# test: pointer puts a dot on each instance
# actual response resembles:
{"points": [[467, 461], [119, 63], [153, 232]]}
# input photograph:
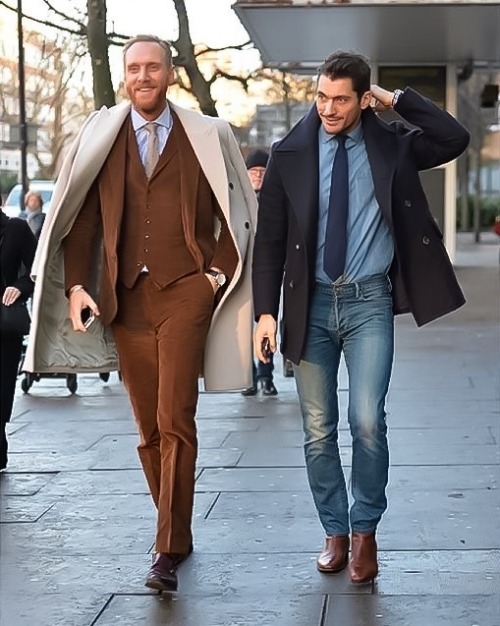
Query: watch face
{"points": [[221, 279]]}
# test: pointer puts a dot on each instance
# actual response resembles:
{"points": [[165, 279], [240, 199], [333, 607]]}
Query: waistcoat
{"points": [[168, 221]]}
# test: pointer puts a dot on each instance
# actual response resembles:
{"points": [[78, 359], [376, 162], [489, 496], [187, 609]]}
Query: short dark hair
{"points": [[342, 64], [151, 39]]}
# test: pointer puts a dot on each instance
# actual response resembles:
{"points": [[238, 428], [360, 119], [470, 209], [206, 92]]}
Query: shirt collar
{"points": [[356, 134], [164, 119]]}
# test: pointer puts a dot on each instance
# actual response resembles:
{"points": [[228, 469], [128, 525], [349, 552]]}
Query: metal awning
{"points": [[299, 34]]}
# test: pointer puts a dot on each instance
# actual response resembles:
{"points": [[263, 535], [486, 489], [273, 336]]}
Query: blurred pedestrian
{"points": [[256, 163], [162, 192], [17, 249], [35, 216], [344, 225], [496, 225]]}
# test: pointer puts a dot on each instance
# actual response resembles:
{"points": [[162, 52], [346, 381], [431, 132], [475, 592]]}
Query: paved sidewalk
{"points": [[77, 525]]}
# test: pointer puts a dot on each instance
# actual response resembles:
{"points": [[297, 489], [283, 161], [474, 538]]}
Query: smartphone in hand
{"points": [[266, 348], [87, 317]]}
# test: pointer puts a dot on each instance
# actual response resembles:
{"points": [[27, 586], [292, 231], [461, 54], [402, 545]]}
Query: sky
{"points": [[212, 22]]}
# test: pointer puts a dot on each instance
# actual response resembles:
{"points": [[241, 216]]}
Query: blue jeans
{"points": [[355, 318]]}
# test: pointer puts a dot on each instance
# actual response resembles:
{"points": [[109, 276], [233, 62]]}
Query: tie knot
{"points": [[341, 139], [151, 127]]}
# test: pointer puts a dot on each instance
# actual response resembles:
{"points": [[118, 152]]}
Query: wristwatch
{"points": [[397, 94], [220, 278]]}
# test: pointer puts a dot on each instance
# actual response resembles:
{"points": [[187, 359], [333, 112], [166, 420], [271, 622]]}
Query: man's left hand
{"points": [[213, 282], [265, 329], [211, 278]]}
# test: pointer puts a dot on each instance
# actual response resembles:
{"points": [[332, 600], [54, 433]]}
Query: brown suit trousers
{"points": [[160, 336]]}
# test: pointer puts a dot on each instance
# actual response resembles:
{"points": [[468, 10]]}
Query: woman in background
{"points": [[35, 216], [17, 250]]}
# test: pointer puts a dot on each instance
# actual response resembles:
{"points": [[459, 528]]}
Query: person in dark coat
{"points": [[345, 227], [256, 163], [17, 250]]}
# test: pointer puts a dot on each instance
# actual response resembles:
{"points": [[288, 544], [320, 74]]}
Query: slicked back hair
{"points": [[165, 46], [342, 64]]}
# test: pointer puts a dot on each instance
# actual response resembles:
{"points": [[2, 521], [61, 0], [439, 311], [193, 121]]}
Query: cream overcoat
{"points": [[53, 346]]}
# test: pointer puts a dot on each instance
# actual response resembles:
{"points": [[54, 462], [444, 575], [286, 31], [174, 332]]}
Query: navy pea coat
{"points": [[422, 276]]}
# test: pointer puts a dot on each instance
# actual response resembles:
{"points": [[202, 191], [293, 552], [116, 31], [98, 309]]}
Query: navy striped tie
{"points": [[338, 209]]}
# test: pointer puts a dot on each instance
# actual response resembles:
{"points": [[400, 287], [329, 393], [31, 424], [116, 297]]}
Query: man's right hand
{"points": [[265, 329], [382, 98], [79, 299]]}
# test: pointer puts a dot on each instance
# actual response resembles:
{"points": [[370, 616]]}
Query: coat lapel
{"points": [[381, 148], [190, 178], [94, 150], [112, 186], [298, 161], [81, 167], [204, 139]]}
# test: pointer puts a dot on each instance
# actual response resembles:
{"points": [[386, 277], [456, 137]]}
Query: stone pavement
{"points": [[77, 525]]}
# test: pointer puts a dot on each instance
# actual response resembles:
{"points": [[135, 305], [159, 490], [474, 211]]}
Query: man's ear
{"points": [[366, 99], [172, 76]]}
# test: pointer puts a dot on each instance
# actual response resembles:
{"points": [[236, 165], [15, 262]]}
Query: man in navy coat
{"points": [[344, 226]]}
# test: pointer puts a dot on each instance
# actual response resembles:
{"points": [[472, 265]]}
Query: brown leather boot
{"points": [[333, 559], [363, 566]]}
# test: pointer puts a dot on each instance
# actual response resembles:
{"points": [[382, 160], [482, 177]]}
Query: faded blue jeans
{"points": [[356, 319]]}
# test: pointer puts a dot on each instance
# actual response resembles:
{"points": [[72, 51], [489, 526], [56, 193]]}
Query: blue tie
{"points": [[338, 208]]}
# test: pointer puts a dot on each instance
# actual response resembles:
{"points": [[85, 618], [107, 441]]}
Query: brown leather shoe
{"points": [[363, 566], [334, 556], [163, 573]]}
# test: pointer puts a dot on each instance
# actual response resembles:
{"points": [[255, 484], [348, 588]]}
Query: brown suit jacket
{"points": [[102, 211]]}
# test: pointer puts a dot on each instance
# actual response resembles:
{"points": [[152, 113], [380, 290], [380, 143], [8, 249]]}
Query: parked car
{"points": [[45, 188]]}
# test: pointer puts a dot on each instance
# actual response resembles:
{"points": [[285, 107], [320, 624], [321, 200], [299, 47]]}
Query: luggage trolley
{"points": [[71, 379], [34, 377], [30, 378]]}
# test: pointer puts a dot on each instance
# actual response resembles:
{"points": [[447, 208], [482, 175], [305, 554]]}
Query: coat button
{"points": [[426, 241], [297, 246], [231, 186], [408, 203], [247, 225], [291, 284]]}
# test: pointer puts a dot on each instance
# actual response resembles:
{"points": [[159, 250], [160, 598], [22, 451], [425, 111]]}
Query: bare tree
{"points": [[92, 28], [56, 106], [289, 89], [98, 43], [186, 58]]}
